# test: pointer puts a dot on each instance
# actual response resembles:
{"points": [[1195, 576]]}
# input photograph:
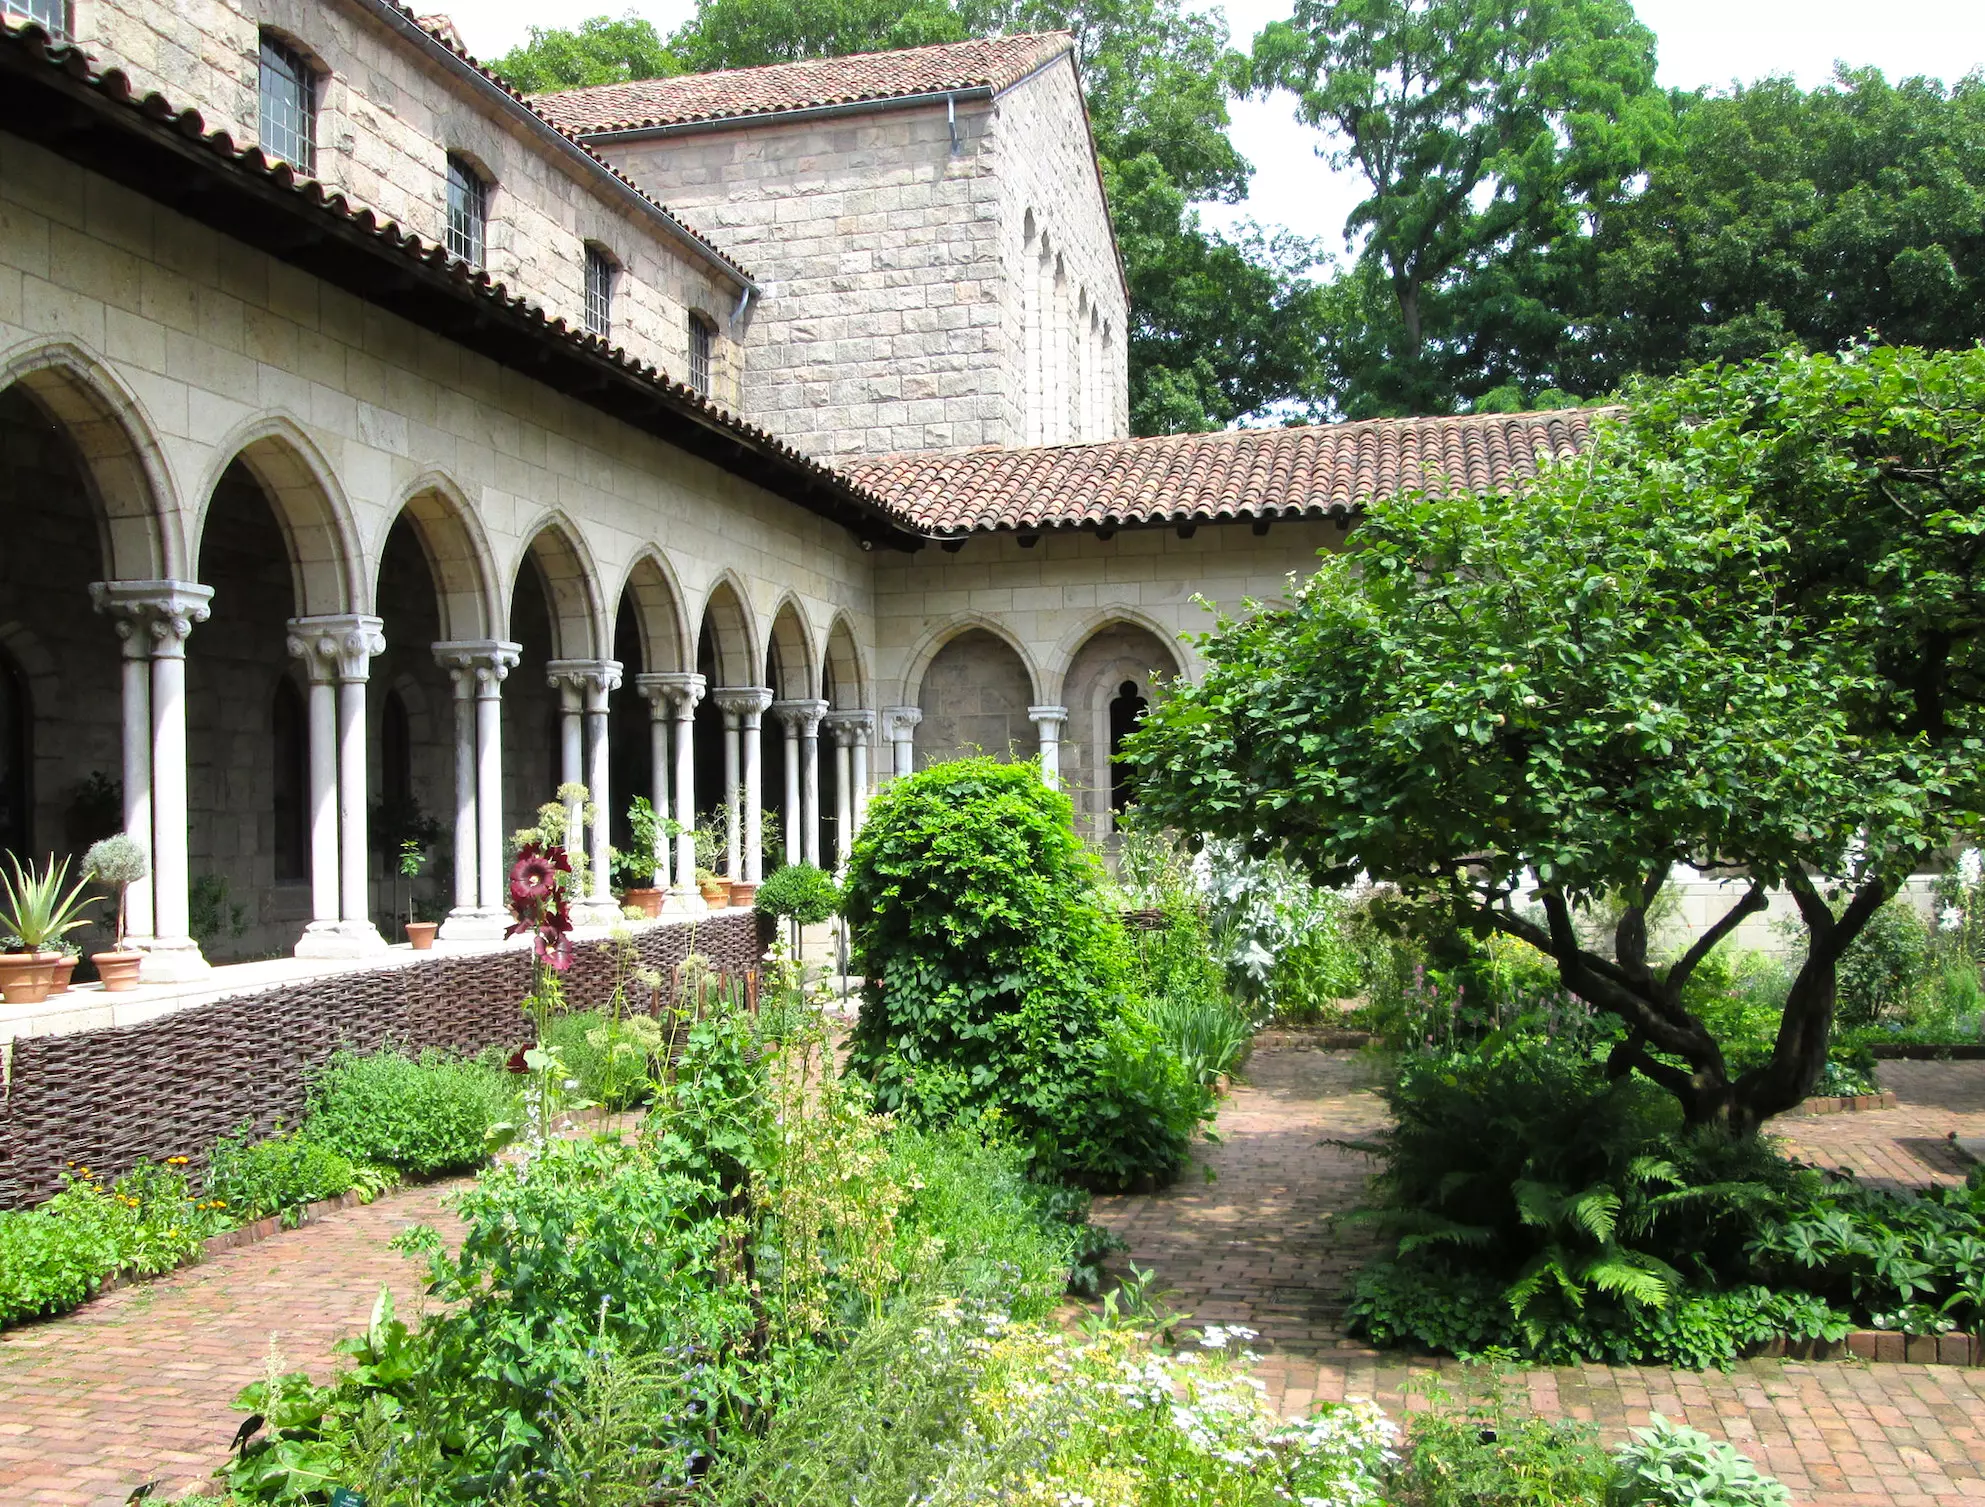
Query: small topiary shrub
{"points": [[422, 1117], [801, 892], [998, 981]]}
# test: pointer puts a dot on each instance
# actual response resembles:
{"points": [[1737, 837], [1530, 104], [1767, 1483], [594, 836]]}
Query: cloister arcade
{"points": [[272, 704]]}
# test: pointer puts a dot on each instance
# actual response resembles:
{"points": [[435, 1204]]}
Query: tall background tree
{"points": [[1221, 328]]}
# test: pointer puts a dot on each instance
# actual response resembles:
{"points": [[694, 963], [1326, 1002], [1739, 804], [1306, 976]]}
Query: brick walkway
{"points": [[1256, 1245], [137, 1386]]}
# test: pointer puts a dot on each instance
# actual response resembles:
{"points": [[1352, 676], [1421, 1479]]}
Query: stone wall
{"points": [[172, 1086], [390, 113]]}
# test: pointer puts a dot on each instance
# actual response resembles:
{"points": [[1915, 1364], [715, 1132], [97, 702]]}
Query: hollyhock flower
{"points": [[533, 877], [554, 949]]}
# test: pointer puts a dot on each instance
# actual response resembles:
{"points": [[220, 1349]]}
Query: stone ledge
{"points": [[1881, 1346]]}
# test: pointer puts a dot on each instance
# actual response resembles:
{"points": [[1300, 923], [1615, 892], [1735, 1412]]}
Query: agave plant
{"points": [[33, 906]]}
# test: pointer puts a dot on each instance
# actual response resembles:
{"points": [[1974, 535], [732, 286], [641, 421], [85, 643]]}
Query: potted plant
{"points": [[636, 869], [119, 863], [63, 968], [716, 891], [413, 858], [34, 908]]}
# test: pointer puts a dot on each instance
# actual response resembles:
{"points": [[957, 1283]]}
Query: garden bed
{"points": [[1927, 1051]]}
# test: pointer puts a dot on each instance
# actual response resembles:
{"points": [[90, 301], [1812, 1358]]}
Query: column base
{"points": [[340, 939], [593, 911], [685, 900], [471, 924], [169, 960]]}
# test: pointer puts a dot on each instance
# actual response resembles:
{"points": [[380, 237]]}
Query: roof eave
{"points": [[617, 135]]}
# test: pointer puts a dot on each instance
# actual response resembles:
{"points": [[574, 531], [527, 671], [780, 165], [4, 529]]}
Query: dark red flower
{"points": [[533, 878], [554, 950]]}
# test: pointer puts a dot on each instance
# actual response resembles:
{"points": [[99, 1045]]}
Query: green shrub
{"points": [[1681, 1467], [254, 1179], [1185, 994], [999, 982], [423, 1117], [1884, 969], [802, 893], [614, 1061]]}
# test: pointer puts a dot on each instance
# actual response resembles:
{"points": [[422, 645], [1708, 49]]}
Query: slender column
{"points": [[137, 773], [160, 615], [851, 732], [810, 717], [744, 710], [790, 812], [733, 787], [684, 690], [584, 686], [336, 651], [858, 751], [478, 668], [654, 690], [1048, 720], [899, 725]]}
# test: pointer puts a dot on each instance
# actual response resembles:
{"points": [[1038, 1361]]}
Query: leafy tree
{"points": [[1789, 216], [598, 51], [1743, 635], [1489, 132]]}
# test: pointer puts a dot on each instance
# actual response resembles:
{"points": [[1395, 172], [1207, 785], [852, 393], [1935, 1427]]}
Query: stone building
{"points": [[380, 449]]}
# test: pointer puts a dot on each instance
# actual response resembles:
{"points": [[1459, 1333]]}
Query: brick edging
{"points": [[1841, 1104], [1881, 1345]]}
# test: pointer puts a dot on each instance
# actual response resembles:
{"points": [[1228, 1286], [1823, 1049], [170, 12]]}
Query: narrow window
{"points": [[700, 338], [51, 15], [1126, 711], [468, 210], [289, 106], [599, 292], [291, 739]]}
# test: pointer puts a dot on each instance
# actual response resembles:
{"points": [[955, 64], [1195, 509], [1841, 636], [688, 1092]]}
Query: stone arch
{"points": [[309, 507], [789, 667], [974, 689], [845, 682], [650, 586], [122, 461], [1120, 649], [571, 585], [458, 556], [933, 644], [1054, 680], [726, 637]]}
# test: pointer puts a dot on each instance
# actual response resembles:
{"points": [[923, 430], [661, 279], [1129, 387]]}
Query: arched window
{"points": [[290, 735], [288, 117], [1126, 710]]}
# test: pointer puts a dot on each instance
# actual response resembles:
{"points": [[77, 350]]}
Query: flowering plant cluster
{"points": [[539, 903]]}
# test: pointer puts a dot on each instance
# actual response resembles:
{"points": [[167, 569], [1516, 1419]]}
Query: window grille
{"points": [[699, 353], [51, 15], [468, 211], [599, 292], [289, 107]]}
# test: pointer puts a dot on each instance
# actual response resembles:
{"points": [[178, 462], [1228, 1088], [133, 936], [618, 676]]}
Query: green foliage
{"points": [[253, 1179], [1677, 1466], [423, 1117], [1488, 1454], [802, 893], [597, 51], [1185, 995], [1884, 968], [59, 1253], [997, 981], [615, 1061]]}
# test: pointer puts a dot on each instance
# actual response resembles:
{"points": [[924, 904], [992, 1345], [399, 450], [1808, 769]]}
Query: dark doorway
{"points": [[16, 759], [290, 734], [1126, 711]]}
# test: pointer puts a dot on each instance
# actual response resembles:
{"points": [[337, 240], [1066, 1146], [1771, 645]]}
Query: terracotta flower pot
{"points": [[61, 967], [421, 934], [718, 894], [23, 978], [648, 901], [118, 970], [743, 894]]}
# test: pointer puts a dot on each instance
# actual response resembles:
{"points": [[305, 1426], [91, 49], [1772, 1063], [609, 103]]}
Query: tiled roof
{"points": [[991, 63], [1318, 471]]}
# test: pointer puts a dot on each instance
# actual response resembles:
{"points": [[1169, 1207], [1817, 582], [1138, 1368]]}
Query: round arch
{"points": [[651, 586], [726, 620], [789, 660], [457, 552], [934, 641], [1093, 623], [122, 461], [325, 568], [845, 674], [572, 592]]}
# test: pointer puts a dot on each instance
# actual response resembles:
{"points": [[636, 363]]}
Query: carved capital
{"points": [[337, 647], [153, 618], [850, 727], [900, 722], [589, 681], [801, 715], [742, 706], [478, 664], [680, 690], [1048, 719]]}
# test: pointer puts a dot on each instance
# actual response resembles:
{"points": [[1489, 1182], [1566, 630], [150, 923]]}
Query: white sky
{"points": [[1702, 42]]}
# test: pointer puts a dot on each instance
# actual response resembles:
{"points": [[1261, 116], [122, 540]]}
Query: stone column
{"points": [[733, 784], [864, 735], [746, 705], [653, 689], [851, 732], [478, 668], [160, 615], [585, 686], [137, 648], [684, 690], [1049, 720], [804, 795], [899, 726], [337, 651], [789, 817]]}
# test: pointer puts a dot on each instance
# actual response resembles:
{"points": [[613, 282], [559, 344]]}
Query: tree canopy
{"points": [[1741, 635]]}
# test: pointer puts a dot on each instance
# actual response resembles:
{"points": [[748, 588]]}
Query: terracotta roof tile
{"points": [[1312, 472], [989, 63]]}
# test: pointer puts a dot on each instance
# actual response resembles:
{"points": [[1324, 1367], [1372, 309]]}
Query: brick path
{"points": [[1257, 1246], [137, 1386]]}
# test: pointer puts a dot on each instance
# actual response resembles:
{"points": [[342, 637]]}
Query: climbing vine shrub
{"points": [[997, 980]]}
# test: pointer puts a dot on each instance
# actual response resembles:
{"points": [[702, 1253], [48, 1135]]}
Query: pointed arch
{"points": [[845, 674], [1098, 621], [123, 463], [651, 586], [934, 641], [789, 665], [555, 548], [726, 623], [458, 556], [309, 506]]}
